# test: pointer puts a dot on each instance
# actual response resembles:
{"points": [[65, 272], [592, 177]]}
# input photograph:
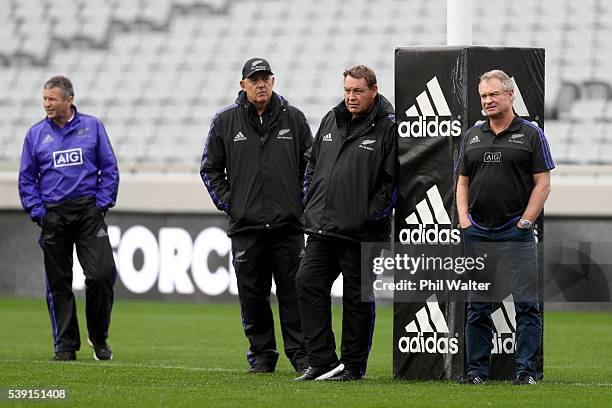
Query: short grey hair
{"points": [[506, 81], [62, 83]]}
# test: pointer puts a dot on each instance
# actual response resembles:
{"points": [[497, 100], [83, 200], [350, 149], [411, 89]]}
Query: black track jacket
{"points": [[254, 169], [350, 181]]}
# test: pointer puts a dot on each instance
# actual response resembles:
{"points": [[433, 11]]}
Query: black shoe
{"points": [[261, 368], [101, 351], [471, 379], [345, 375], [64, 356], [301, 368], [320, 373], [525, 379]]}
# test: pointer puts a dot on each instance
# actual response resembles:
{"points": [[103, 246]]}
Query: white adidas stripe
{"points": [[499, 320], [438, 205], [423, 317], [412, 219], [519, 103], [440, 216], [424, 213], [438, 97], [509, 305], [439, 102], [412, 112], [436, 315], [412, 327], [423, 102]]}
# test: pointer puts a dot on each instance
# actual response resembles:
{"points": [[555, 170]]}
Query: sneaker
{"points": [[471, 379], [525, 379], [320, 373], [301, 368], [64, 356], [345, 375], [101, 351], [261, 368]]}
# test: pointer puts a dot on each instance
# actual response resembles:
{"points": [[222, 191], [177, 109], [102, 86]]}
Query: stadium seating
{"points": [[156, 71]]}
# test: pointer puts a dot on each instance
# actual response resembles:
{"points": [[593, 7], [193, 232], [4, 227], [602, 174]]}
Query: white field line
{"points": [[128, 365]]}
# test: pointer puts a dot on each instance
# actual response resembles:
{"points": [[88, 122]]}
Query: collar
{"points": [[75, 115], [273, 103], [514, 125], [343, 110]]}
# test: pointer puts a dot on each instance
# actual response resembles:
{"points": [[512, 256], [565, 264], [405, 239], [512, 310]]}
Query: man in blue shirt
{"points": [[68, 179]]}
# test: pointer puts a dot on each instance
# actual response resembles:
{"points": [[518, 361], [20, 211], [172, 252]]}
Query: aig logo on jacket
{"points": [[70, 157], [366, 144]]}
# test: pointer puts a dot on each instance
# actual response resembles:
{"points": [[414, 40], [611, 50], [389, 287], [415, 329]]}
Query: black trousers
{"points": [[77, 222], [257, 256], [323, 261]]}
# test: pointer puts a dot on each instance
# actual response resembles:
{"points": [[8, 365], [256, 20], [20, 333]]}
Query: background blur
{"points": [[156, 71]]}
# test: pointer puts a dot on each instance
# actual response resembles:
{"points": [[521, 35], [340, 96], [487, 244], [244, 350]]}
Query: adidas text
{"points": [[431, 344], [504, 343], [430, 235], [433, 127]]}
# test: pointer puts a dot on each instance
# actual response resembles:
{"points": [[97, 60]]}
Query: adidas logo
{"points": [[428, 122], [48, 139], [327, 137], [504, 323], [365, 144], [239, 137], [519, 103], [422, 333], [101, 233], [475, 139], [430, 211]]}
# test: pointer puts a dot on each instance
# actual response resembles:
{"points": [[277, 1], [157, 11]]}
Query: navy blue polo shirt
{"points": [[500, 170]]}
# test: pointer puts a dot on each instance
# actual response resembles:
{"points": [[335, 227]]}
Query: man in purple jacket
{"points": [[68, 179]]}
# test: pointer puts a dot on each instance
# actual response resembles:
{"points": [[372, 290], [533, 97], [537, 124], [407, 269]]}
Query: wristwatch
{"points": [[526, 224]]}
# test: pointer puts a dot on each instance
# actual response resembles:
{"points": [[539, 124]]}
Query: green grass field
{"points": [[192, 355]]}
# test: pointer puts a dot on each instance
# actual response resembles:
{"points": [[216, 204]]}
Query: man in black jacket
{"points": [[253, 166], [349, 192]]}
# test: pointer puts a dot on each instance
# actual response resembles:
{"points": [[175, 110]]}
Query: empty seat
{"points": [[177, 62], [587, 110]]}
